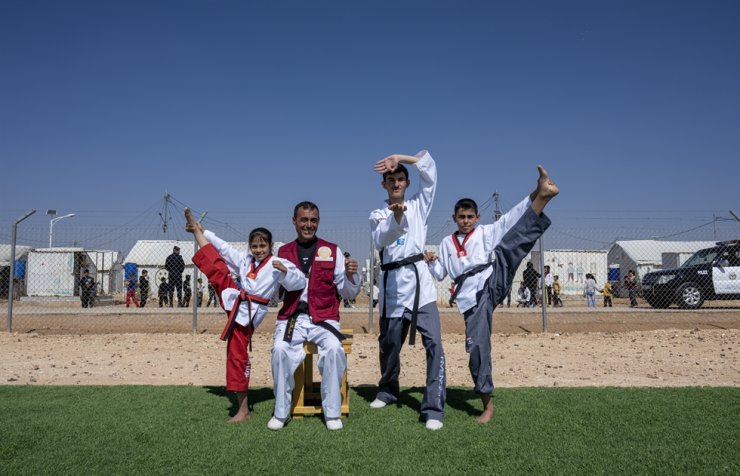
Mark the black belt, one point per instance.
(415, 311)
(461, 279)
(288, 334)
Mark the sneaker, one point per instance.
(276, 423)
(434, 425)
(378, 403)
(334, 424)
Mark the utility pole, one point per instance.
(166, 209)
(497, 209)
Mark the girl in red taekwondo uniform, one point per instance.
(260, 274)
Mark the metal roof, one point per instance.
(155, 252)
(20, 252)
(651, 251)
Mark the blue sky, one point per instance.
(245, 108)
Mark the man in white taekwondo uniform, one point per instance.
(408, 297)
(312, 314)
(482, 260)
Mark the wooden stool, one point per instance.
(307, 393)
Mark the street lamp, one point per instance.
(54, 220)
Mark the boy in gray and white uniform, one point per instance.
(408, 298)
(482, 260)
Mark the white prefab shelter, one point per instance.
(56, 271)
(150, 255)
(644, 256)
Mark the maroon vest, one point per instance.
(323, 304)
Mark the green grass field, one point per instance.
(181, 430)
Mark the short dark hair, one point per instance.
(260, 232)
(305, 205)
(466, 203)
(399, 168)
(176, 248)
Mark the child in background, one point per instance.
(589, 290)
(608, 293)
(144, 287)
(162, 292)
(131, 291)
(556, 301)
(260, 274)
(199, 292)
(212, 296)
(187, 291)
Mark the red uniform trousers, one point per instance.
(238, 366)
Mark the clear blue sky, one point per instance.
(244, 108)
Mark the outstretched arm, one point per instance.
(193, 226)
(545, 191)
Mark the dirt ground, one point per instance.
(617, 347)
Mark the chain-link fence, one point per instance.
(137, 290)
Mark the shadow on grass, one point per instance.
(256, 395)
(457, 398)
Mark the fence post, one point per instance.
(542, 284)
(371, 284)
(11, 284)
(195, 288)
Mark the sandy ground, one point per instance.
(620, 347)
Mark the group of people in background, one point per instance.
(527, 294)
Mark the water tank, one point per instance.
(20, 269)
(613, 272)
(130, 270)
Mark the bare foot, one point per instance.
(488, 410)
(191, 224)
(239, 417)
(546, 188)
(545, 191)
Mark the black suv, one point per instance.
(710, 274)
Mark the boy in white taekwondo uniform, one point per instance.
(408, 297)
(259, 275)
(312, 315)
(482, 261)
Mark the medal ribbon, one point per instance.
(461, 247)
(253, 272)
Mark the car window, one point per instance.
(729, 258)
(702, 257)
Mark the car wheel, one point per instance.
(689, 296)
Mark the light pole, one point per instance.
(54, 220)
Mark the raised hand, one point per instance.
(429, 256)
(389, 164)
(278, 265)
(350, 266)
